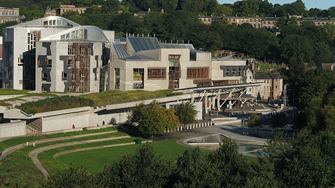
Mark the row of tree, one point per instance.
(304, 161)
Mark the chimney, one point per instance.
(148, 35)
(165, 41)
(188, 42)
(183, 41)
(142, 35)
(126, 34)
(138, 35)
(154, 35)
(177, 41)
(171, 41)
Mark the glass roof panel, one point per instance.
(142, 44)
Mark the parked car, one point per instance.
(288, 127)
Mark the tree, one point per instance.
(153, 119)
(73, 176)
(305, 160)
(186, 113)
(144, 169)
(172, 122)
(278, 120)
(312, 84)
(255, 121)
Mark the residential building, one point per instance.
(9, 14)
(273, 87)
(265, 22)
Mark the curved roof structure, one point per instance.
(90, 33)
(50, 21)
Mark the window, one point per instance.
(174, 60)
(82, 51)
(205, 19)
(82, 76)
(239, 72)
(49, 62)
(87, 61)
(197, 72)
(276, 87)
(156, 73)
(64, 76)
(69, 49)
(246, 20)
(89, 51)
(31, 41)
(44, 76)
(138, 78)
(117, 78)
(227, 72)
(78, 64)
(69, 63)
(233, 72)
(276, 81)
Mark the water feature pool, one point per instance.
(212, 143)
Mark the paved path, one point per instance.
(91, 148)
(19, 146)
(33, 154)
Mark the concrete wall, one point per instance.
(64, 122)
(13, 129)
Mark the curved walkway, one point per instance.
(19, 146)
(33, 154)
(91, 148)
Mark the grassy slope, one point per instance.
(46, 157)
(18, 168)
(19, 140)
(95, 160)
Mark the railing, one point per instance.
(34, 126)
(28, 115)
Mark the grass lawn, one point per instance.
(46, 157)
(115, 96)
(95, 160)
(20, 140)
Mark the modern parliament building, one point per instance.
(54, 54)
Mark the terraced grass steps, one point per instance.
(33, 154)
(19, 146)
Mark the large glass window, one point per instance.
(138, 78)
(117, 78)
(156, 73)
(174, 60)
(197, 72)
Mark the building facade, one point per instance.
(265, 22)
(273, 87)
(54, 54)
(9, 14)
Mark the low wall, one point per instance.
(3, 97)
(13, 129)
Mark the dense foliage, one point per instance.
(56, 103)
(296, 45)
(303, 161)
(153, 119)
(186, 113)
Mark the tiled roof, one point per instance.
(262, 76)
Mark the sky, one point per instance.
(320, 4)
